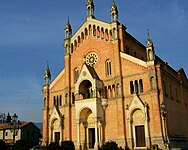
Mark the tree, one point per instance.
(2, 145)
(53, 146)
(2, 118)
(110, 145)
(20, 145)
(67, 145)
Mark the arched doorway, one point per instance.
(85, 89)
(87, 119)
(138, 128)
(55, 131)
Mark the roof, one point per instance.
(92, 72)
(5, 125)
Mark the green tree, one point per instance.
(53, 146)
(67, 145)
(20, 145)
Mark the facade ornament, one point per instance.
(90, 9)
(114, 12)
(47, 75)
(150, 48)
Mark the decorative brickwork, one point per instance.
(112, 88)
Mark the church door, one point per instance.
(57, 137)
(91, 137)
(140, 136)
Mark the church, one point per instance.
(114, 88)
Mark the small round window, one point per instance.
(91, 59)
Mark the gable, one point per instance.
(58, 79)
(88, 73)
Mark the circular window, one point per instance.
(91, 59)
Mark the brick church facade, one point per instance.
(113, 88)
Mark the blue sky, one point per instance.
(32, 33)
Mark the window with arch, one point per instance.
(140, 86)
(66, 98)
(45, 102)
(136, 86)
(60, 100)
(118, 90)
(152, 82)
(105, 92)
(75, 75)
(54, 101)
(131, 87)
(108, 67)
(165, 89)
(73, 98)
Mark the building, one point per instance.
(114, 88)
(27, 132)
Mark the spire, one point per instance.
(90, 9)
(149, 41)
(114, 11)
(47, 75)
(150, 48)
(68, 29)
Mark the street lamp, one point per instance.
(14, 126)
(164, 115)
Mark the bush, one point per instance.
(110, 145)
(2, 145)
(53, 146)
(20, 145)
(67, 145)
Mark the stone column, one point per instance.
(78, 135)
(130, 139)
(96, 134)
(100, 139)
(51, 134)
(86, 136)
(147, 126)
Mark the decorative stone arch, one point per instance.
(88, 79)
(138, 123)
(56, 126)
(89, 109)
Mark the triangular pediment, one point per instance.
(88, 73)
(136, 103)
(55, 114)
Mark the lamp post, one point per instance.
(14, 126)
(164, 115)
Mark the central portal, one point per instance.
(91, 137)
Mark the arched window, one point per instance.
(66, 98)
(108, 68)
(57, 101)
(113, 90)
(73, 98)
(60, 100)
(75, 75)
(136, 86)
(118, 89)
(140, 86)
(109, 92)
(54, 101)
(165, 89)
(131, 87)
(152, 82)
(45, 102)
(105, 92)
